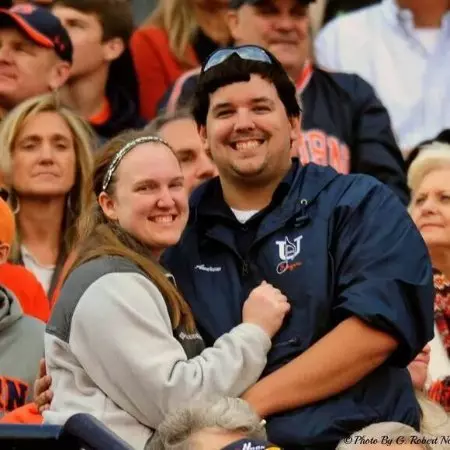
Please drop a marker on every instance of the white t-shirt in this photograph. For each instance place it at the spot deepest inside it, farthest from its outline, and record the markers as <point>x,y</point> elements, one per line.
<point>43,273</point>
<point>244,215</point>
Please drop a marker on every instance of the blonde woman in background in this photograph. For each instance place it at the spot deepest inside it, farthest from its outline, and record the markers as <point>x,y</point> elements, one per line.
<point>177,37</point>
<point>429,181</point>
<point>45,158</point>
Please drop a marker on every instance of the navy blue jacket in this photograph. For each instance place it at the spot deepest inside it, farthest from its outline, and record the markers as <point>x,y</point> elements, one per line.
<point>344,125</point>
<point>336,246</point>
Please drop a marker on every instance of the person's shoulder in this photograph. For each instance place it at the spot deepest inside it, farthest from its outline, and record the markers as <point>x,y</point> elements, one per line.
<point>343,188</point>
<point>365,191</point>
<point>351,83</point>
<point>152,32</point>
<point>93,271</point>
<point>32,325</point>
<point>17,270</point>
<point>104,264</point>
<point>345,23</point>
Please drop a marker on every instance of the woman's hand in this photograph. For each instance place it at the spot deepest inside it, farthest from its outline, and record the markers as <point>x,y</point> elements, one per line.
<point>42,394</point>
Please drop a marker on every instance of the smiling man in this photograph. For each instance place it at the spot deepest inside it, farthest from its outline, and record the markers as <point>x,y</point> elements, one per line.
<point>342,248</point>
<point>35,54</point>
<point>344,124</point>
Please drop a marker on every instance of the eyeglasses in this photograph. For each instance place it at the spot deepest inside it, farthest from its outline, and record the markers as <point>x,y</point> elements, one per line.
<point>4,194</point>
<point>247,52</point>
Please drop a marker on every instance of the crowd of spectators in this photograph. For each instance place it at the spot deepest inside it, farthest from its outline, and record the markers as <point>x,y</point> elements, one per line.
<point>227,225</point>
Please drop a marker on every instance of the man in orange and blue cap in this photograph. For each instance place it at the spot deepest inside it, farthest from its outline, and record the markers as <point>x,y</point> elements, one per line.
<point>35,53</point>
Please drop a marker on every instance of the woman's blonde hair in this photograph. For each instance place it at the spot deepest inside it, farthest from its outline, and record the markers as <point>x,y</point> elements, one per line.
<point>101,236</point>
<point>177,19</point>
<point>78,198</point>
<point>432,157</point>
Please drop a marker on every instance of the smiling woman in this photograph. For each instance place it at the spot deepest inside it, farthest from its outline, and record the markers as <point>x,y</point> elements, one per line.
<point>121,343</point>
<point>45,154</point>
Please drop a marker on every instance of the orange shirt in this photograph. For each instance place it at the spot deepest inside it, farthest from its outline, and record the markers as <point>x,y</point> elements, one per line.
<point>156,66</point>
<point>103,115</point>
<point>28,290</point>
<point>27,414</point>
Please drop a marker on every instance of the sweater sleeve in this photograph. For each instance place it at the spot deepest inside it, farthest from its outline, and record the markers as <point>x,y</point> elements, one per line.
<point>152,71</point>
<point>122,336</point>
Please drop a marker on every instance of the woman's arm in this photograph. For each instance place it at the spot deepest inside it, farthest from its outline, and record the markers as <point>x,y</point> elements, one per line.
<point>121,335</point>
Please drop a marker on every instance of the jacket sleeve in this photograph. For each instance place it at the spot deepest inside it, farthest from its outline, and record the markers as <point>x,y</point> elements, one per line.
<point>374,150</point>
<point>383,271</point>
<point>122,336</point>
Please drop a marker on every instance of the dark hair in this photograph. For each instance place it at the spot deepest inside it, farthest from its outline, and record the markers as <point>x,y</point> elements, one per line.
<point>116,20</point>
<point>115,16</point>
<point>234,70</point>
<point>443,136</point>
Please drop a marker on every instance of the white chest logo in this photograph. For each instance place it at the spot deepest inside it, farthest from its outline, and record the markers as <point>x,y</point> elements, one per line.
<point>289,250</point>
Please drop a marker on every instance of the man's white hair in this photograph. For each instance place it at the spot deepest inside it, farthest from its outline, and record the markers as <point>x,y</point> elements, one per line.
<point>227,414</point>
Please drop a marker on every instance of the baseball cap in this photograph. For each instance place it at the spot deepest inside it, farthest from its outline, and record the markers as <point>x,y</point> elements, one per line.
<point>7,224</point>
<point>235,4</point>
<point>41,26</point>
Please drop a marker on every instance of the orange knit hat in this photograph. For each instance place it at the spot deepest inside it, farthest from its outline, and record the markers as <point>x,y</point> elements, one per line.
<point>7,224</point>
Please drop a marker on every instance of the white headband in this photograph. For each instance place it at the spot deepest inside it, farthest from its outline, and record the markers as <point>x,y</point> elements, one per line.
<point>123,151</point>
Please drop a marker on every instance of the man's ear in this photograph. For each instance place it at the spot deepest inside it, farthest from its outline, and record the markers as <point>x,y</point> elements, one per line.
<point>202,132</point>
<point>59,74</point>
<point>108,206</point>
<point>113,48</point>
<point>295,135</point>
<point>295,127</point>
<point>233,24</point>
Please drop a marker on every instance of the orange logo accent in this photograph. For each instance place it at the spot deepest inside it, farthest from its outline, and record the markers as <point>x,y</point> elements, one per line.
<point>286,267</point>
<point>13,393</point>
<point>317,147</point>
<point>23,8</point>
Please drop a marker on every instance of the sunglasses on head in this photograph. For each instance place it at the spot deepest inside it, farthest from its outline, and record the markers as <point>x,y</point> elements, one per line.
<point>247,52</point>
<point>4,194</point>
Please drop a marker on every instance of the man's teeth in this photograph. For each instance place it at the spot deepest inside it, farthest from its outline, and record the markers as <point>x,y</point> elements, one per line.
<point>247,145</point>
<point>163,219</point>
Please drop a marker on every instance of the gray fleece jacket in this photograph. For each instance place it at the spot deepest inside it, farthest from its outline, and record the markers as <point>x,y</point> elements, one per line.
<point>21,347</point>
<point>112,353</point>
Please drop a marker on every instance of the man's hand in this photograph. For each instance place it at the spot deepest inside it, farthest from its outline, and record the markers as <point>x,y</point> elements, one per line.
<point>42,394</point>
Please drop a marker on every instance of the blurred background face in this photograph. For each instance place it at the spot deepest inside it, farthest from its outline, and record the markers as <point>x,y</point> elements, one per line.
<point>86,34</point>
<point>418,369</point>
<point>430,208</point>
<point>280,26</point>
<point>183,137</point>
<point>150,200</point>
<point>26,69</point>
<point>43,157</point>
